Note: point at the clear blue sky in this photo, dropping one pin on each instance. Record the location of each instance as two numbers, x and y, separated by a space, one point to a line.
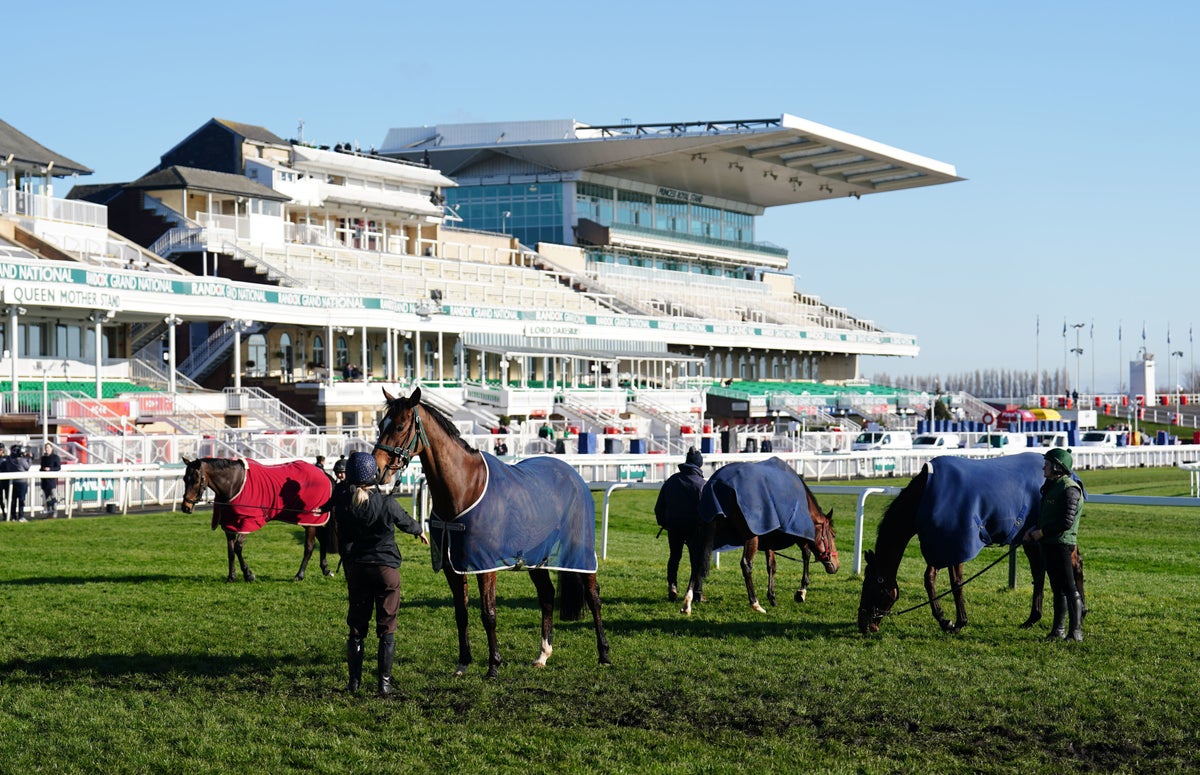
1075 124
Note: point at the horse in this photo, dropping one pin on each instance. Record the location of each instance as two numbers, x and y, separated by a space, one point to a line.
537 515
249 494
957 506
767 506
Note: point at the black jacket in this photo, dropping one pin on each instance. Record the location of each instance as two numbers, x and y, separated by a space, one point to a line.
678 501
366 533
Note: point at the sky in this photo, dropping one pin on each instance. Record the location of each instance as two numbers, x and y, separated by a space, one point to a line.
1075 125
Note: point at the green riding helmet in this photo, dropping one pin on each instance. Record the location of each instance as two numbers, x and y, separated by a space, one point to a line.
1062 457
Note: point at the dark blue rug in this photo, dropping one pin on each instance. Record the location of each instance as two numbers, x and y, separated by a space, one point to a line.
969 504
538 513
771 496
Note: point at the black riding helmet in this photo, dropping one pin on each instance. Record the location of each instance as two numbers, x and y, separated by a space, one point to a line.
340 466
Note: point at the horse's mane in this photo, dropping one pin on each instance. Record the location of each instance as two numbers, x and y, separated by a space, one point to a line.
221 463
899 520
444 423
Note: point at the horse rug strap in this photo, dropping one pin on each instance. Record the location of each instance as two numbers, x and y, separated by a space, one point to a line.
771 496
294 492
969 504
538 513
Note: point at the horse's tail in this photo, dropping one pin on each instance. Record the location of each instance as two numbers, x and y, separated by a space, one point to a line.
570 596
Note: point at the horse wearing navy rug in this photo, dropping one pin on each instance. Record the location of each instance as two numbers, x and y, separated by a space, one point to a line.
537 515
762 505
956 506
249 494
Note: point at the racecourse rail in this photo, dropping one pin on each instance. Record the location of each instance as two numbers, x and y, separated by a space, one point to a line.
89 489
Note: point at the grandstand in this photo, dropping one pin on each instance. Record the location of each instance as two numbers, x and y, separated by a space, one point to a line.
606 279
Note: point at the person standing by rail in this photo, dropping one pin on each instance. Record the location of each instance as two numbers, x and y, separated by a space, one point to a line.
366 523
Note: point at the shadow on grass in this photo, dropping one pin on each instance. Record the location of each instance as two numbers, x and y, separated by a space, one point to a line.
152 667
146 578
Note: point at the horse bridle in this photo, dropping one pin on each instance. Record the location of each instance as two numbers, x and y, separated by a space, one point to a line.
201 485
405 454
822 540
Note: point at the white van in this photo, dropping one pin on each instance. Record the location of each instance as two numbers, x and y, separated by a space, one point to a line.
868 440
1050 439
937 441
1003 442
1099 439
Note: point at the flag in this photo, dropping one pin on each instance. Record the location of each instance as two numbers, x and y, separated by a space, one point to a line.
1038 326
1064 328
1143 332
1092 331
1118 330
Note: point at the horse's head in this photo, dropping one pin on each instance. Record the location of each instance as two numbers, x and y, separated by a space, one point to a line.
194 484
824 547
401 436
879 594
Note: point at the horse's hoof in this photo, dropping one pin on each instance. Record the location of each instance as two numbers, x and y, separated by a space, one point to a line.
327 572
249 578
231 578
686 611
1032 620
759 608
298 577
801 595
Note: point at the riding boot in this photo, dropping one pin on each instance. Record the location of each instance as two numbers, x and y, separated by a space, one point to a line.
1059 631
387 652
354 658
1075 610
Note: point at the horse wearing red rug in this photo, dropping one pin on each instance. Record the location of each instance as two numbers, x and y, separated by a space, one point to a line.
249 494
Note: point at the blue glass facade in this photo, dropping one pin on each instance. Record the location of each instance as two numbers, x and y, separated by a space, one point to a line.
532 212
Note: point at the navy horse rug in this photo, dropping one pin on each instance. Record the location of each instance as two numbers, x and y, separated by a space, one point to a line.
969 504
297 493
770 495
538 513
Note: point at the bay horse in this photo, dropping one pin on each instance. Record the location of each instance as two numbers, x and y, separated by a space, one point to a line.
536 515
767 506
956 506
249 494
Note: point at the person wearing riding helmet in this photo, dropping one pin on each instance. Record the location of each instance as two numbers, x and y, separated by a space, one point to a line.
1057 532
677 511
366 522
339 469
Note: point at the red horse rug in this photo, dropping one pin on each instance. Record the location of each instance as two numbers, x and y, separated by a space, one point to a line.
297 493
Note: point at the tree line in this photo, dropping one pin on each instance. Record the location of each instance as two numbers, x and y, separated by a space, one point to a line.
1004 382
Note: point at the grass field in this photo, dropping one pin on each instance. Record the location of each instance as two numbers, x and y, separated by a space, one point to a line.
122 649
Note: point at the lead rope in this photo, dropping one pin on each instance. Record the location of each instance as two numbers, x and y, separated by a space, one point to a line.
1011 550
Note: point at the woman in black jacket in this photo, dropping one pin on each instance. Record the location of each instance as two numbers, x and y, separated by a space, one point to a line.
366 522
677 511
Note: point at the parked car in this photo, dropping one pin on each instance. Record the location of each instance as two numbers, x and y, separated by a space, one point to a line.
868 440
1100 439
1006 443
937 441
1050 439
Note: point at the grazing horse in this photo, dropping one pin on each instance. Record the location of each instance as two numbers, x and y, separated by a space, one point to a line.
763 505
956 506
537 515
250 494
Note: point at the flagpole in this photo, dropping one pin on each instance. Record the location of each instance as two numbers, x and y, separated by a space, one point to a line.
1037 356
1092 339
1120 363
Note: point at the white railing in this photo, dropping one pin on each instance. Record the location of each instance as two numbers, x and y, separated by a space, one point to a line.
51 209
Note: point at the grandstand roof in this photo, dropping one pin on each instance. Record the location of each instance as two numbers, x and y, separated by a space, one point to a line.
16 146
763 162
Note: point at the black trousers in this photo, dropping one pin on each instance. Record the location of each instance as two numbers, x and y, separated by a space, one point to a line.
1057 558
372 588
693 539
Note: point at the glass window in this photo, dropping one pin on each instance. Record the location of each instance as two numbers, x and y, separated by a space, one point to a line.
318 350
